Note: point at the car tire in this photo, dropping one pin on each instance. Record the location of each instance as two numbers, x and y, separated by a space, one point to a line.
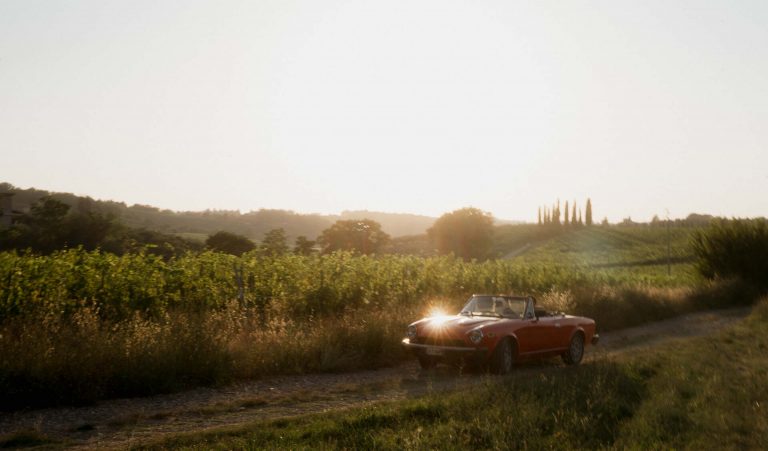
575 351
426 362
503 357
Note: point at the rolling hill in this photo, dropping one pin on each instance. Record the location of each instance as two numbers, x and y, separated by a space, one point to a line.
199 224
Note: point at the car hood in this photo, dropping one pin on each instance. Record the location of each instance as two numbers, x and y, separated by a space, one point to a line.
458 323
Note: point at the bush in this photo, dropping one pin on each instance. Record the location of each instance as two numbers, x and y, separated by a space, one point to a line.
734 248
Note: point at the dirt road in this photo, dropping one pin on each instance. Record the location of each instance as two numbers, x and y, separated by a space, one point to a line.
124 422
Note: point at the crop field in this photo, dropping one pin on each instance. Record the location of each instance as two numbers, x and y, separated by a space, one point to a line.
302 285
80 326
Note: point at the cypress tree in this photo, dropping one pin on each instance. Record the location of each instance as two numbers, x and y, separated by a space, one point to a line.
539 217
565 218
588 212
580 221
573 214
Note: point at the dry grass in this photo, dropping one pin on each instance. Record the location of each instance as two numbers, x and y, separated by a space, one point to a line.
618 307
82 358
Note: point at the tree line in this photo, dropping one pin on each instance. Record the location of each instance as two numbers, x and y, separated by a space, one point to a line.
550 216
51 225
466 233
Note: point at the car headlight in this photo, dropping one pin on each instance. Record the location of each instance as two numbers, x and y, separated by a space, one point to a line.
411 332
475 336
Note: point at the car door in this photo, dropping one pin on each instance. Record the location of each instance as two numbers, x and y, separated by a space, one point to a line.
554 330
535 335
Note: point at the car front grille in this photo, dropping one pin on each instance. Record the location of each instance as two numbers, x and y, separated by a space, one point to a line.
440 341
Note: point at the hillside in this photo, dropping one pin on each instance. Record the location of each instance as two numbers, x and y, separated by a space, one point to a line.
199 224
638 249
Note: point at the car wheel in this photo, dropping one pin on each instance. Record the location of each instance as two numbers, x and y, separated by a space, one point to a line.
575 351
426 362
503 357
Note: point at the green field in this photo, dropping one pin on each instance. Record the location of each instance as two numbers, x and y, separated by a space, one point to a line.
706 393
638 253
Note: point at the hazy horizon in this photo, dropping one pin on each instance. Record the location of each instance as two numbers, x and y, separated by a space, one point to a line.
418 107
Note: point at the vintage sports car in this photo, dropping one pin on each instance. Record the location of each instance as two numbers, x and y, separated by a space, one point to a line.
499 331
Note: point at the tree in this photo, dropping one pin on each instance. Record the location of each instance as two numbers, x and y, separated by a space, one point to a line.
229 243
361 235
303 246
90 229
274 243
127 240
467 233
43 229
588 213
539 217
566 217
573 214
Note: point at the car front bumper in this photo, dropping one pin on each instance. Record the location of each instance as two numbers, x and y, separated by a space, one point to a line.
447 353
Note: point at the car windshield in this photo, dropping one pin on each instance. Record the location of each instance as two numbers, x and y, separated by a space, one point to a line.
499 306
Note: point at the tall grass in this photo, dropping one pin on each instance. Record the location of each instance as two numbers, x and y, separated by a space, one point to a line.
81 358
618 307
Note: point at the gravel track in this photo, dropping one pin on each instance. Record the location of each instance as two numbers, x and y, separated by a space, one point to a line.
122 423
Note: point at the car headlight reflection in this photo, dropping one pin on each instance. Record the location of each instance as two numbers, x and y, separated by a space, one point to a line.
411 332
475 336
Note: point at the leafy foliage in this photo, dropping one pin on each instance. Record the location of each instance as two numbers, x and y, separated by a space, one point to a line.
229 243
303 246
329 283
364 236
50 225
53 225
274 243
467 233
734 248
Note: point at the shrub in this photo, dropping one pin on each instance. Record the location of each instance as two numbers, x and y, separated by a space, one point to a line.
734 248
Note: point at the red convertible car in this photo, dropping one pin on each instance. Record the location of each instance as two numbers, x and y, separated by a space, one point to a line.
499 331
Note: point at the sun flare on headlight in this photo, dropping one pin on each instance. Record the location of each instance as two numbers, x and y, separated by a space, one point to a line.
438 316
437 312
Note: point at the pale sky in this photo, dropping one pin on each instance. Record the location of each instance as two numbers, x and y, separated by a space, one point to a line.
401 106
